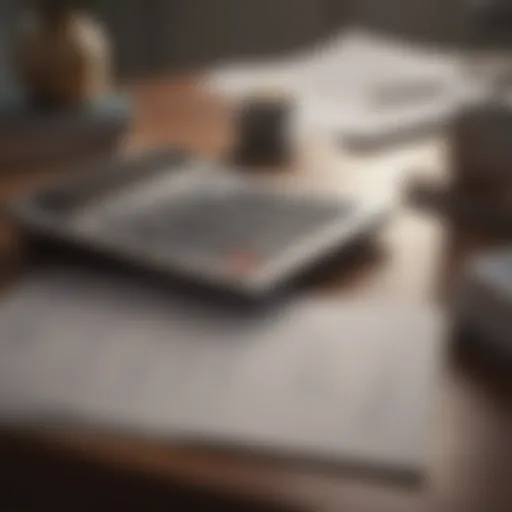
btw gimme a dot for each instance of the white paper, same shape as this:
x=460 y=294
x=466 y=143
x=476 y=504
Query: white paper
x=317 y=378
x=336 y=85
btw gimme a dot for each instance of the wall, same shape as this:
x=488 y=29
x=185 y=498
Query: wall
x=155 y=35
x=432 y=21
x=129 y=25
x=185 y=33
x=207 y=30
x=9 y=10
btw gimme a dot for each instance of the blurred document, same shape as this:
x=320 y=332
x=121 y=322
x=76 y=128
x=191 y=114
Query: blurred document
x=358 y=85
x=319 y=378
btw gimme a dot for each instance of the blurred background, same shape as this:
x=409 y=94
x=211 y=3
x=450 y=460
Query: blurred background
x=163 y=35
x=349 y=72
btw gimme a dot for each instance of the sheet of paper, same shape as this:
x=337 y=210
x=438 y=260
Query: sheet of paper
x=337 y=85
x=320 y=378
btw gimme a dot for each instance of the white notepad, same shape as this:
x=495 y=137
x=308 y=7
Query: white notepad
x=347 y=383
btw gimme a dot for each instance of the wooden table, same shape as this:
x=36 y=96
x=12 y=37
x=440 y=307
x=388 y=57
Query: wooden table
x=472 y=436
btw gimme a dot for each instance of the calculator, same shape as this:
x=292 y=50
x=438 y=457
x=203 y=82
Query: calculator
x=168 y=212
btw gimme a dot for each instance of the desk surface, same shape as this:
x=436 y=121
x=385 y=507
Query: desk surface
x=472 y=456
